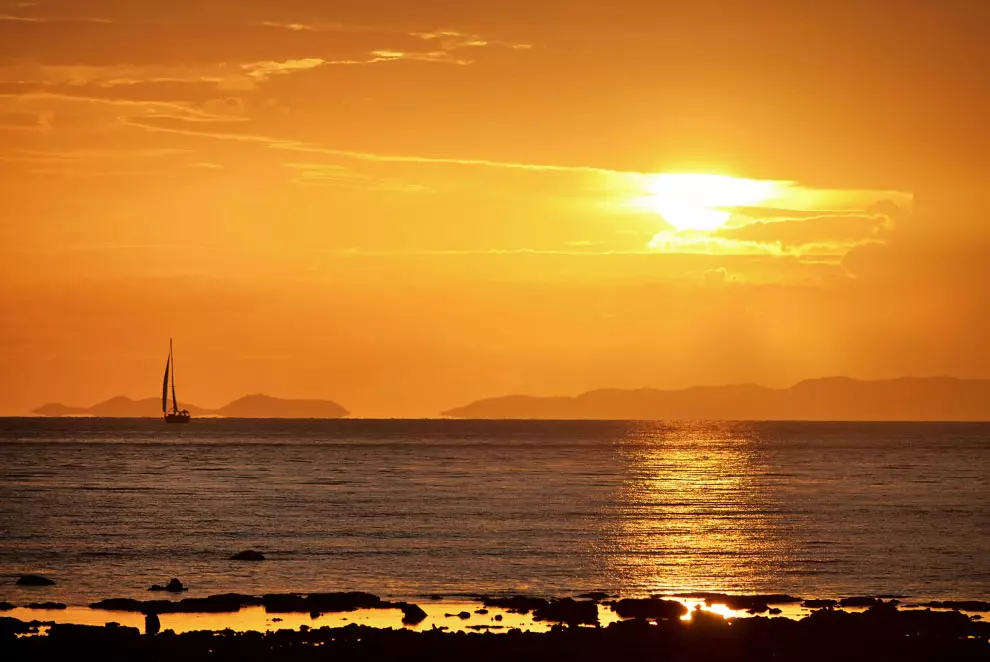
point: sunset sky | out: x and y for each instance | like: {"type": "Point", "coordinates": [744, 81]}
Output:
{"type": "Point", "coordinates": [408, 205]}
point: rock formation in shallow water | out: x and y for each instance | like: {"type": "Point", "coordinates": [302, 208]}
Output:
{"type": "Point", "coordinates": [569, 611]}
{"type": "Point", "coordinates": [518, 604]}
{"type": "Point", "coordinates": [173, 586]}
{"type": "Point", "coordinates": [411, 614]}
{"type": "Point", "coordinates": [651, 608]}
{"type": "Point", "coordinates": [248, 555]}
{"type": "Point", "coordinates": [35, 580]}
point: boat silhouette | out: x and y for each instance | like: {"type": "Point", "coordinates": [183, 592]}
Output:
{"type": "Point", "coordinates": [173, 415]}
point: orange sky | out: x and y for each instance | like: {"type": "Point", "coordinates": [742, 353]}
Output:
{"type": "Point", "coordinates": [405, 206]}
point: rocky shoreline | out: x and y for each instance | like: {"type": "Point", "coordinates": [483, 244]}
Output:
{"type": "Point", "coordinates": [655, 627]}
{"type": "Point", "coordinates": [882, 632]}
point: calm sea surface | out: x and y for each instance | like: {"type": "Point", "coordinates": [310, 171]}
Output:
{"type": "Point", "coordinates": [405, 508]}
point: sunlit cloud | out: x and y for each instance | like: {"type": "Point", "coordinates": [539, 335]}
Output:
{"type": "Point", "coordinates": [267, 69]}
{"type": "Point", "coordinates": [720, 214]}
{"type": "Point", "coordinates": [698, 201]}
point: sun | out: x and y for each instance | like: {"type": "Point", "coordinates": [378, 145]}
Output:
{"type": "Point", "coordinates": [701, 202]}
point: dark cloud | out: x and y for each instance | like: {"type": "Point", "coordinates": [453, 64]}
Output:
{"type": "Point", "coordinates": [838, 229]}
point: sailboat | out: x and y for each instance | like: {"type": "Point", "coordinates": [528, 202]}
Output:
{"type": "Point", "coordinates": [173, 415]}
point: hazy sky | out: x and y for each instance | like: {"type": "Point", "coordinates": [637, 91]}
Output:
{"type": "Point", "coordinates": [406, 205]}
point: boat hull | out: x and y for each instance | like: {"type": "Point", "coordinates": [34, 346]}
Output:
{"type": "Point", "coordinates": [177, 418]}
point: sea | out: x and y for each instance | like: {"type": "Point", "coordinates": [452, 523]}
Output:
{"type": "Point", "coordinates": [413, 508]}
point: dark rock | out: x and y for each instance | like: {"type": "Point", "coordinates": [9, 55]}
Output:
{"type": "Point", "coordinates": [6, 606]}
{"type": "Point", "coordinates": [222, 603]}
{"type": "Point", "coordinates": [759, 603]}
{"type": "Point", "coordinates": [707, 621]}
{"type": "Point", "coordinates": [35, 580]}
{"type": "Point", "coordinates": [173, 586]}
{"type": "Point", "coordinates": [464, 615]}
{"type": "Point", "coordinates": [119, 604]}
{"type": "Point", "coordinates": [863, 601]}
{"type": "Point", "coordinates": [498, 617]}
{"type": "Point", "coordinates": [965, 605]}
{"type": "Point", "coordinates": [314, 615]}
{"type": "Point", "coordinates": [595, 595]}
{"type": "Point", "coordinates": [92, 634]}
{"type": "Point", "coordinates": [45, 605]}
{"type": "Point", "coordinates": [481, 611]}
{"type": "Point", "coordinates": [774, 611]}
{"type": "Point", "coordinates": [820, 604]}
{"type": "Point", "coordinates": [152, 624]}
{"type": "Point", "coordinates": [568, 610]}
{"type": "Point", "coordinates": [411, 614]}
{"type": "Point", "coordinates": [519, 604]}
{"type": "Point", "coordinates": [248, 555]}
{"type": "Point", "coordinates": [286, 603]}
{"type": "Point", "coordinates": [656, 608]}
{"type": "Point", "coordinates": [14, 626]}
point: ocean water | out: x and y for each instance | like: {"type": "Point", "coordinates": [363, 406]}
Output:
{"type": "Point", "coordinates": [405, 509]}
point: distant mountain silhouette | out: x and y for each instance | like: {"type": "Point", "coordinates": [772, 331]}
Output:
{"type": "Point", "coordinates": [834, 398]}
{"type": "Point", "coordinates": [250, 406]}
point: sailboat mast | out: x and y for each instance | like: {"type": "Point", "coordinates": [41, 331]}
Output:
{"type": "Point", "coordinates": [168, 364]}
{"type": "Point", "coordinates": [175, 405]}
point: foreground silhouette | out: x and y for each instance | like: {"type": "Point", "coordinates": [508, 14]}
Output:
{"type": "Point", "coordinates": [881, 633]}
{"type": "Point", "coordinates": [832, 399]}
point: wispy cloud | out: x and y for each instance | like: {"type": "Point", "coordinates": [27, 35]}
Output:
{"type": "Point", "coordinates": [267, 69]}
{"type": "Point", "coordinates": [53, 19]}
{"type": "Point", "coordinates": [322, 174]}
{"type": "Point", "coordinates": [174, 110]}
{"type": "Point", "coordinates": [453, 39]}
{"type": "Point", "coordinates": [309, 148]}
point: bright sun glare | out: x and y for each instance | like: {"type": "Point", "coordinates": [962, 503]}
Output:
{"type": "Point", "coordinates": [701, 202]}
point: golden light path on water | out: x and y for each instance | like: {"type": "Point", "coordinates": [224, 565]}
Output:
{"type": "Point", "coordinates": [696, 515]}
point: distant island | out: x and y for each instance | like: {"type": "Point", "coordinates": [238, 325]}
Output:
{"type": "Point", "coordinates": [250, 406]}
{"type": "Point", "coordinates": [831, 399]}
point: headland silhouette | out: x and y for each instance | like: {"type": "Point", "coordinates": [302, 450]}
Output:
{"type": "Point", "coordinates": [827, 399]}
{"type": "Point", "coordinates": [249, 406]}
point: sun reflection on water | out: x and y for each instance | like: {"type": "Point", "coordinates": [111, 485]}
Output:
{"type": "Point", "coordinates": [693, 514]}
